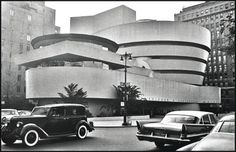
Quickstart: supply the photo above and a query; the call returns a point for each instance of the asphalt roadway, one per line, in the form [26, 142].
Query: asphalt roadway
[101, 139]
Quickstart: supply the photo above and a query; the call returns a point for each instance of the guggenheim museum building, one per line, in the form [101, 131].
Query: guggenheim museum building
[168, 63]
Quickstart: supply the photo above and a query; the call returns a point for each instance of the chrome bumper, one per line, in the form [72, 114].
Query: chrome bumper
[166, 140]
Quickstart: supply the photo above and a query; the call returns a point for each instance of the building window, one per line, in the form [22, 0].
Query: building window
[220, 69]
[206, 11]
[18, 88]
[197, 14]
[211, 10]
[28, 38]
[19, 67]
[226, 6]
[188, 16]
[216, 8]
[19, 78]
[202, 12]
[179, 18]
[210, 70]
[216, 17]
[214, 69]
[214, 52]
[192, 15]
[219, 58]
[221, 7]
[214, 60]
[221, 15]
[217, 34]
[29, 17]
[202, 20]
[183, 17]
[232, 4]
[224, 59]
[11, 12]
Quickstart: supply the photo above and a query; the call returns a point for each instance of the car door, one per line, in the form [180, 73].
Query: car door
[74, 115]
[57, 123]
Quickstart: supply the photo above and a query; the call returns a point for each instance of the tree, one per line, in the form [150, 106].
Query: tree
[228, 45]
[133, 91]
[73, 95]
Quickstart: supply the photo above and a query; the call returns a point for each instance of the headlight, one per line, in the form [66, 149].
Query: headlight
[18, 124]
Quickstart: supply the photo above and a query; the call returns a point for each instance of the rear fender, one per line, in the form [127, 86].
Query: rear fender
[89, 126]
[30, 126]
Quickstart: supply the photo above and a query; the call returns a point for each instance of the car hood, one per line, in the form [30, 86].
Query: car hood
[217, 142]
[28, 119]
[164, 126]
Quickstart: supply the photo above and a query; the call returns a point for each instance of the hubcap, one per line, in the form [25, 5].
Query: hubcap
[31, 138]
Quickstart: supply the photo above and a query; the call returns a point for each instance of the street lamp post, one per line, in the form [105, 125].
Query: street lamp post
[125, 57]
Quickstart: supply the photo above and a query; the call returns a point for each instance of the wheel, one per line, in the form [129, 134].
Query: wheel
[31, 138]
[8, 140]
[159, 145]
[82, 132]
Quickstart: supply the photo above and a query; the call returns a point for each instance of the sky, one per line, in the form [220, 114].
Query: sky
[157, 10]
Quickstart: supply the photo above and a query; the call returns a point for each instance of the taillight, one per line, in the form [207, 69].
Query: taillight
[183, 132]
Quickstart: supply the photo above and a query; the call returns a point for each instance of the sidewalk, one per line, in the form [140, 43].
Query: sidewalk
[114, 122]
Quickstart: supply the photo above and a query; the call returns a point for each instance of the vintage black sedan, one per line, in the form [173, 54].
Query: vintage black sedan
[221, 138]
[177, 128]
[54, 120]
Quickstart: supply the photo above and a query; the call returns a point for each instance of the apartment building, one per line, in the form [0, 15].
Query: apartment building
[209, 15]
[20, 23]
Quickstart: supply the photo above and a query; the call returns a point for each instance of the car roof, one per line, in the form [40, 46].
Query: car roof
[7, 109]
[228, 117]
[62, 104]
[190, 113]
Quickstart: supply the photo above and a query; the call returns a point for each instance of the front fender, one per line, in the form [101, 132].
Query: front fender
[89, 126]
[30, 126]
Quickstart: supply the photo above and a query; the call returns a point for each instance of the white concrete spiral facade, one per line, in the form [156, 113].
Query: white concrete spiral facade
[176, 50]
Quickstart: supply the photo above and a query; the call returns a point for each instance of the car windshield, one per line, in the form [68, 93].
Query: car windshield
[227, 126]
[179, 119]
[8, 112]
[40, 111]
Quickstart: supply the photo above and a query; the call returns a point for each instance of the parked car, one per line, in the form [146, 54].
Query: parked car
[177, 128]
[7, 114]
[24, 112]
[221, 138]
[54, 120]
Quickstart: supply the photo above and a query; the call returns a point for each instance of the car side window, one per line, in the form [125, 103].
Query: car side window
[80, 110]
[71, 111]
[206, 119]
[213, 119]
[57, 112]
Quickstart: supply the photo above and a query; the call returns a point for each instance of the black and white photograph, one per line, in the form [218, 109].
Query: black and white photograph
[118, 76]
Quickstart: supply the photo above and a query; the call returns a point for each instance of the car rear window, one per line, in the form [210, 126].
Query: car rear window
[179, 119]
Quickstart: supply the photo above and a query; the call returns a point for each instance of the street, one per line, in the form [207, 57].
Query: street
[102, 139]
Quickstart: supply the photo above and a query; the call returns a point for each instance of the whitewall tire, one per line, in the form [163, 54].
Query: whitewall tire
[82, 132]
[31, 138]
